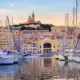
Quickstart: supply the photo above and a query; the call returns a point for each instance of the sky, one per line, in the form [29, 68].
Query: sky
[47, 11]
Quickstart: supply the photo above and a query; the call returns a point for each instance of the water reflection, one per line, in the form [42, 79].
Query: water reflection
[41, 69]
[9, 72]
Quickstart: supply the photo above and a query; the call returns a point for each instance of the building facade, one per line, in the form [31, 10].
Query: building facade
[35, 41]
[6, 39]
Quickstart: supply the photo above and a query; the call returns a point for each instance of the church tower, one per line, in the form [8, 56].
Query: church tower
[29, 19]
[33, 16]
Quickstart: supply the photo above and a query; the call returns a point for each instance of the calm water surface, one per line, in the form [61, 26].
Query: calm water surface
[41, 69]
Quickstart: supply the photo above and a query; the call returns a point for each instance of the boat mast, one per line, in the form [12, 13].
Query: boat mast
[16, 42]
[73, 23]
[8, 25]
[76, 11]
[12, 20]
[2, 33]
[76, 24]
[1, 25]
[66, 29]
[75, 14]
[67, 19]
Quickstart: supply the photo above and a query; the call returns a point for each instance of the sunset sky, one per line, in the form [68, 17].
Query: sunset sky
[47, 11]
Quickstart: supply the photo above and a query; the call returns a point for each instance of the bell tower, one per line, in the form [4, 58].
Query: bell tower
[29, 19]
[33, 16]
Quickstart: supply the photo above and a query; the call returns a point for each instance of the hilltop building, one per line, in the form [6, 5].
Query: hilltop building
[33, 24]
[30, 18]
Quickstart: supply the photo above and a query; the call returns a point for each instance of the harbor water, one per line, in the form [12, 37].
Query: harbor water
[41, 68]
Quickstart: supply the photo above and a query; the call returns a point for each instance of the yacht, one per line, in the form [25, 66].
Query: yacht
[73, 54]
[8, 58]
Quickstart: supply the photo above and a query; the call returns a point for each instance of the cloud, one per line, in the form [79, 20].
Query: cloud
[11, 5]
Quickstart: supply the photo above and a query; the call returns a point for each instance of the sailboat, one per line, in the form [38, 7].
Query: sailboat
[7, 57]
[75, 56]
[63, 56]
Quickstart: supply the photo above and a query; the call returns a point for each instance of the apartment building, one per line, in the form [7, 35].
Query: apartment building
[6, 40]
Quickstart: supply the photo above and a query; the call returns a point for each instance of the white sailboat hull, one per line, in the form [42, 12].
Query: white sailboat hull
[16, 58]
[70, 58]
[74, 58]
[7, 59]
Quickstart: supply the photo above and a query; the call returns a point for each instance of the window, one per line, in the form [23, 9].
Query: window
[34, 49]
[40, 46]
[54, 46]
[34, 45]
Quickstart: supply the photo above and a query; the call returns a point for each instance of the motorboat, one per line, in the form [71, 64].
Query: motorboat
[59, 57]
